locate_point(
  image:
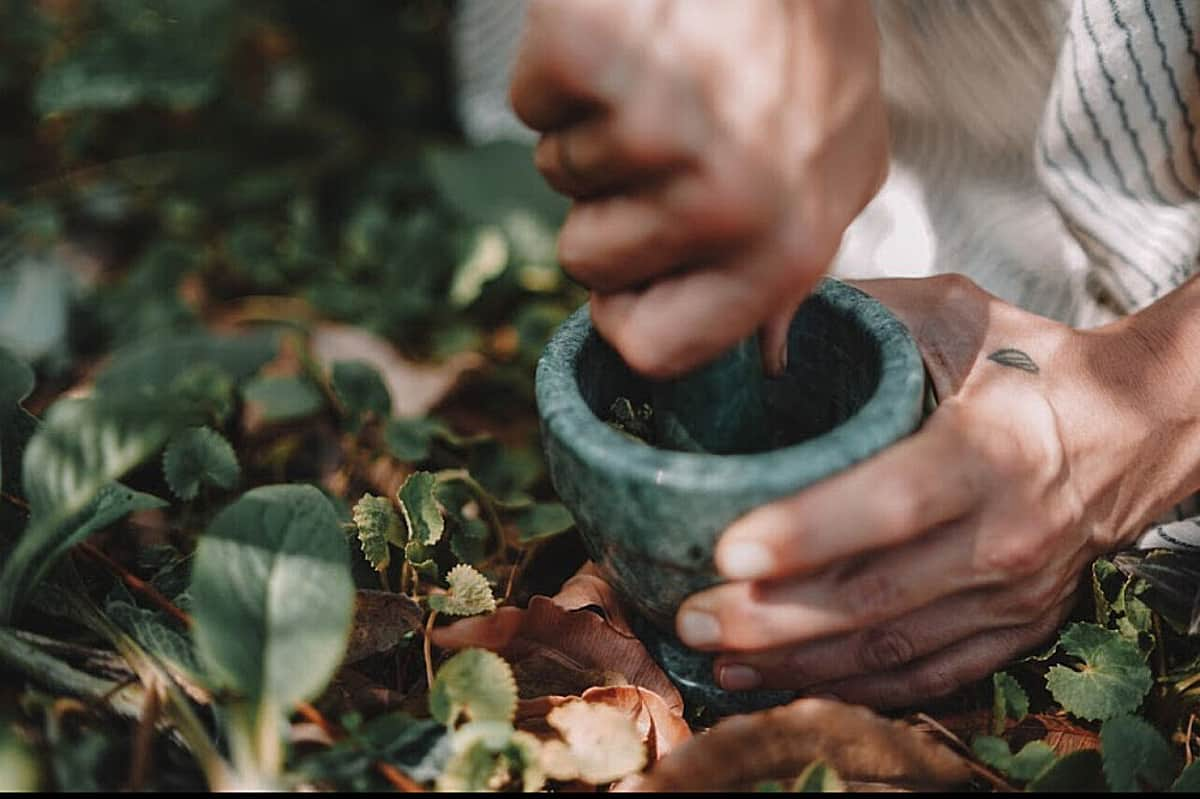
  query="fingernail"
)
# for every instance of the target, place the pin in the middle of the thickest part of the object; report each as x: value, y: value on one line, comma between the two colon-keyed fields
x: 698, y: 629
x: 745, y: 561
x: 739, y: 678
x: 781, y: 360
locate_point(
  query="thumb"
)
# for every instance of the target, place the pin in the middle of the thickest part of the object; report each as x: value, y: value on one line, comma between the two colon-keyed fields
x: 773, y: 342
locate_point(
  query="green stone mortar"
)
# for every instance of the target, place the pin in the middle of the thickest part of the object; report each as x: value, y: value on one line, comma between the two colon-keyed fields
x: 650, y: 516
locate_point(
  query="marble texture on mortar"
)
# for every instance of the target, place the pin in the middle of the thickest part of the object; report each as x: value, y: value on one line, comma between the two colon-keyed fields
x: 650, y: 516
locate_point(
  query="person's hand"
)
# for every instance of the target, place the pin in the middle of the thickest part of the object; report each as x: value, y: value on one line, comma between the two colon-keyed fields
x: 716, y: 153
x: 937, y: 561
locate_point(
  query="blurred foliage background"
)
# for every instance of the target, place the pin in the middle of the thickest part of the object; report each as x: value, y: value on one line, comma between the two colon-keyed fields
x: 161, y: 160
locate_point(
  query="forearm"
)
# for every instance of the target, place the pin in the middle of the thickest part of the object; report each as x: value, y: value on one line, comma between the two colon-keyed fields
x: 1143, y: 372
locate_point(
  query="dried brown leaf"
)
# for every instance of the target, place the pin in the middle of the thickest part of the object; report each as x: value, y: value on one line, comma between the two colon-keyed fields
x: 579, y: 640
x: 779, y: 743
x: 416, y: 388
x: 588, y: 590
x: 381, y: 620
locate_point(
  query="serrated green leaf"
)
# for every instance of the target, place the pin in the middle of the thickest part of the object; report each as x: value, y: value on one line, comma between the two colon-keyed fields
x: 196, y: 457
x: 158, y: 637
x: 491, y: 756
x: 1112, y: 679
x: 1135, y: 755
x: 818, y: 777
x: 271, y: 589
x: 1189, y: 779
x: 1078, y: 772
x: 543, y: 520
x: 469, y: 593
x: 475, y: 684
x: 361, y: 390
x: 420, y: 508
x: 278, y: 399
x: 1009, y: 700
x: 378, y: 525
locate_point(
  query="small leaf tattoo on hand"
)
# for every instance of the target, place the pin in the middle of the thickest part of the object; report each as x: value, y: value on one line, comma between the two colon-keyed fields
x: 1015, y: 359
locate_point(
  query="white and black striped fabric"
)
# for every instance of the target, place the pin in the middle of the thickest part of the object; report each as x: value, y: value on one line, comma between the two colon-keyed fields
x: 1048, y: 149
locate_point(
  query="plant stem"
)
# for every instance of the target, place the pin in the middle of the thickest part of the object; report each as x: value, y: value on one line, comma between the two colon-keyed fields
x: 135, y: 583
x: 143, y: 742
x: 429, y: 647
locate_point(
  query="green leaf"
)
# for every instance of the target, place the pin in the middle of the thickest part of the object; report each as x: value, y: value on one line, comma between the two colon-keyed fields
x: 492, y: 183
x: 1078, y: 772
x: 411, y: 439
x: 199, y: 456
x: 282, y: 399
x: 818, y: 777
x: 150, y: 629
x: 490, y: 756
x: 469, y: 593
x: 475, y: 684
x: 16, y: 424
x: 469, y: 540
x: 1009, y: 701
x: 272, y: 597
x: 1189, y: 780
x: 361, y: 391
x: 419, y: 747
x: 420, y: 508
x: 485, y: 260
x: 420, y: 557
x: 1112, y: 679
x: 1135, y: 755
x: 544, y: 520
x: 35, y: 299
x: 378, y: 524
x: 19, y: 767
x: 1034, y: 759
x: 153, y: 366
x: 81, y: 447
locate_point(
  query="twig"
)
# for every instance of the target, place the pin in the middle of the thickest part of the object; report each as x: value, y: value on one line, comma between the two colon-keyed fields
x: 143, y: 742
x: 429, y: 648
x: 17, y: 501
x: 314, y: 716
x: 522, y: 559
x: 136, y: 583
x: 998, y: 782
x: 1187, y: 739
x: 399, y: 780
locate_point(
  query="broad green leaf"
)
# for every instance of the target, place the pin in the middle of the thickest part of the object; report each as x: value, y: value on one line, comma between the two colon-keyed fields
x: 469, y: 593
x: 16, y: 424
x: 420, y: 557
x: 1035, y: 758
x: 492, y: 756
x: 1078, y: 772
x: 469, y: 540
x: 153, y: 366
x: 150, y: 629
x: 1189, y: 779
x: 420, y: 507
x: 81, y: 447
x: 272, y: 597
x: 475, y: 684
x: 1111, y: 680
x: 818, y: 777
x: 491, y: 183
x: 1009, y: 700
x: 992, y: 751
x: 411, y: 439
x: 282, y: 399
x: 196, y: 457
x: 544, y: 520
x: 1135, y: 754
x: 378, y: 525
x: 361, y: 391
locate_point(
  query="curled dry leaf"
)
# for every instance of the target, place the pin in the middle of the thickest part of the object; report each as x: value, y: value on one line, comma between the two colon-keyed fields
x: 599, y: 743
x: 381, y: 620
x: 571, y: 649
x: 415, y: 388
x: 779, y: 743
x: 588, y: 590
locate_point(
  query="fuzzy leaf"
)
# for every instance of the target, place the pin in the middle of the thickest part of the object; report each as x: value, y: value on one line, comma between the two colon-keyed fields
x: 151, y: 630
x: 1009, y: 701
x: 361, y: 391
x: 544, y: 520
x: 818, y: 777
x: 420, y: 507
x: 602, y: 743
x: 199, y: 456
x: 475, y: 684
x: 1135, y: 754
x: 1111, y: 681
x: 490, y: 756
x: 469, y: 593
x: 378, y: 524
x: 420, y: 557
x: 272, y: 595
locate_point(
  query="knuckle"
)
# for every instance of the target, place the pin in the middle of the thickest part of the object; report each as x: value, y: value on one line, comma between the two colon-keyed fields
x: 884, y: 650
x: 934, y: 683
x: 1018, y: 556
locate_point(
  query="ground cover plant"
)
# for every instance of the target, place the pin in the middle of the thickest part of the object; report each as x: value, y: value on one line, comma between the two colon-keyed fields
x: 273, y: 511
